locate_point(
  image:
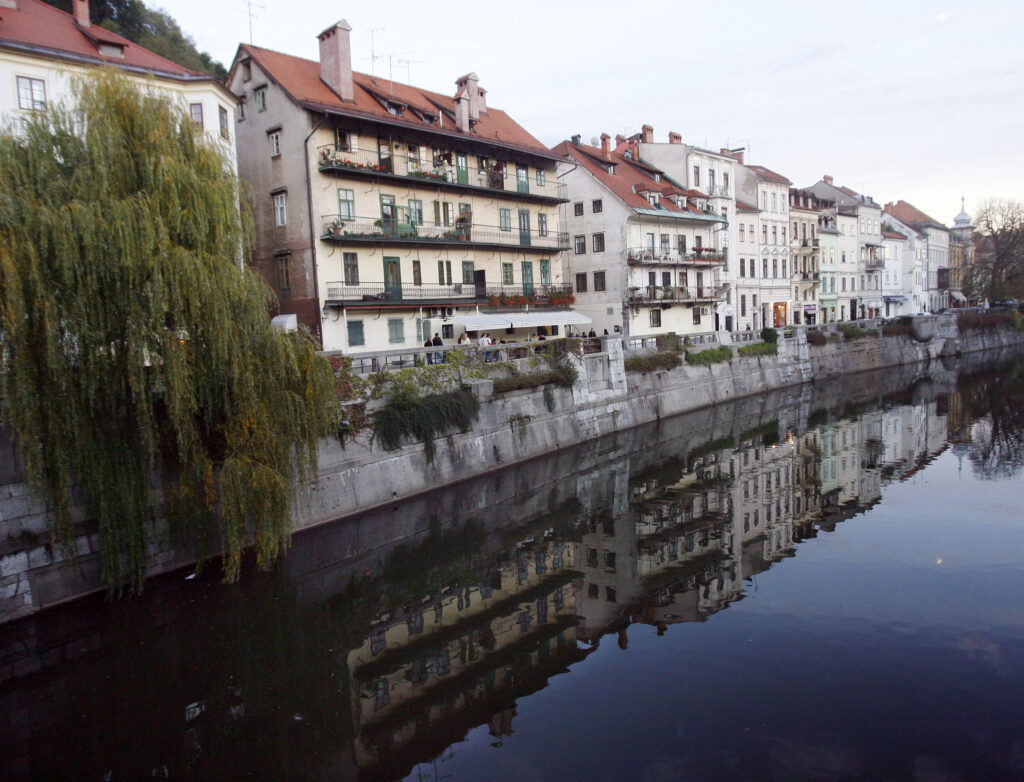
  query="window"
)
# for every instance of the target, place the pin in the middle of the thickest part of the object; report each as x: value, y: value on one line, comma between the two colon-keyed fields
x: 355, y: 334
x: 542, y: 224
x: 665, y: 246
x: 580, y: 244
x: 505, y: 219
x: 280, y: 210
x: 444, y: 272
x: 577, y: 209
x: 775, y: 206
x: 696, y: 180
x: 261, y: 98
x: 784, y: 235
x: 753, y: 268
x: 844, y: 284
x: 681, y: 244
x: 783, y: 267
x: 775, y: 267
x: 506, y: 273
x: 396, y: 331
x: 195, y: 111
x: 468, y: 272
x: 764, y: 234
x: 284, y: 272
x: 247, y: 71
x: 346, y: 204
x: 725, y: 183
x: 764, y: 268
x: 351, y: 264
x: 597, y: 243
x: 775, y: 234
x: 743, y: 305
x: 222, y: 114
x: 417, y: 273
x: 696, y: 316
x: 743, y: 267
x: 274, y: 139
x: 597, y: 205
x: 241, y: 109
x: 764, y: 202
x: 443, y: 211
x: 448, y: 330
x: 415, y: 211
x: 598, y: 281
x: 581, y: 283
x: 666, y: 279
x: 542, y: 178
x: 742, y: 237
x: 655, y: 317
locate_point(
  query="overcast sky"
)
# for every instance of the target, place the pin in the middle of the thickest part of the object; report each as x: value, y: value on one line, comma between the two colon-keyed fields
x: 900, y: 99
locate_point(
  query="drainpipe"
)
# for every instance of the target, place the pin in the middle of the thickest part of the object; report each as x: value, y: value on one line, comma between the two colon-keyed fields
x: 312, y: 229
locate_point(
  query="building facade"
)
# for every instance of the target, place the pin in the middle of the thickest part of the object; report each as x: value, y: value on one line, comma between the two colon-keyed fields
x: 805, y: 211
x: 937, y: 270
x: 386, y: 213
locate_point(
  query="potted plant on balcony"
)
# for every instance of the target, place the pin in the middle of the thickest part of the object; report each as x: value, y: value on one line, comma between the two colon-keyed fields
x: 336, y: 226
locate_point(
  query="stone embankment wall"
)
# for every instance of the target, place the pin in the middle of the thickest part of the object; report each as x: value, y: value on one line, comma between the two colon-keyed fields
x: 513, y: 427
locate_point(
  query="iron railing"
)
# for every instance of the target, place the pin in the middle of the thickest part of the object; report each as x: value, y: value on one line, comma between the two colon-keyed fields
x: 672, y: 293
x: 444, y: 170
x: 336, y: 228
x: 646, y: 255
x: 458, y: 293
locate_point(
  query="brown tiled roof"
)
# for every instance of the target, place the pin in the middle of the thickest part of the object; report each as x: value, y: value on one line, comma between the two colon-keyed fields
x: 37, y: 28
x: 629, y: 180
x: 300, y: 78
x: 743, y: 206
x: 767, y: 174
x: 907, y: 213
x: 893, y: 235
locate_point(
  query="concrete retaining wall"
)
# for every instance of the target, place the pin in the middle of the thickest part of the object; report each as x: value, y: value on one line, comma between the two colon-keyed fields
x: 513, y: 428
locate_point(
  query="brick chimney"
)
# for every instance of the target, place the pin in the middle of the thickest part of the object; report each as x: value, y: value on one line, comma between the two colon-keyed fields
x: 827, y: 179
x: 606, y: 142
x: 647, y: 134
x: 470, y: 86
x: 336, y: 59
x: 462, y: 112
x: 674, y: 138
x: 619, y: 140
x: 81, y: 11
x: 736, y: 155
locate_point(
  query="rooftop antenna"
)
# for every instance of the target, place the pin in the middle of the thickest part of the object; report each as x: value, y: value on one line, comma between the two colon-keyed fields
x: 249, y: 6
x: 373, y: 56
x: 408, y: 69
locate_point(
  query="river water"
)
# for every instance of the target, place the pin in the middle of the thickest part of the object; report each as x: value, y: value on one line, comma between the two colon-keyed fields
x: 820, y: 584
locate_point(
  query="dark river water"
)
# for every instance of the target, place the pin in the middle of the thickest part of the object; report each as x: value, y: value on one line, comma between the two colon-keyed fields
x: 823, y: 583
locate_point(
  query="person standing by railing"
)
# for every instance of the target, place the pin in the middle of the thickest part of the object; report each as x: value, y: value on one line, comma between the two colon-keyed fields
x: 438, y: 342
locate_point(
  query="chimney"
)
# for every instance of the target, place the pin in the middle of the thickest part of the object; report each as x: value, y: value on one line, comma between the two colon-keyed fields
x: 647, y: 134
x: 674, y: 138
x: 81, y: 11
x: 606, y: 145
x: 462, y: 113
x: 336, y: 59
x: 470, y: 86
x: 636, y: 148
x: 827, y: 179
x: 619, y: 140
x: 577, y: 139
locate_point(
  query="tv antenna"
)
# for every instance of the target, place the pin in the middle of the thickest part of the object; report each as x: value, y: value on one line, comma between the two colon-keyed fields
x: 408, y: 69
x: 373, y: 55
x: 249, y: 9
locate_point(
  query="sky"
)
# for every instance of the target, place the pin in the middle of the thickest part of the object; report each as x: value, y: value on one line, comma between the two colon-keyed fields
x: 908, y: 99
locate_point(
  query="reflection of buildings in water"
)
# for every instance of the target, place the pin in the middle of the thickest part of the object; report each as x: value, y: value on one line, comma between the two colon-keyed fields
x: 457, y: 652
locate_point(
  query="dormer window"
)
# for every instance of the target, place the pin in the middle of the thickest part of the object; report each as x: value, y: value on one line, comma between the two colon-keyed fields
x: 111, y: 50
x: 657, y: 177
x: 611, y: 170
x: 652, y: 198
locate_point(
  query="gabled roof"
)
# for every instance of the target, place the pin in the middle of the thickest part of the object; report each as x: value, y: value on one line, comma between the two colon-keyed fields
x: 768, y: 175
x: 631, y: 178
x: 907, y: 213
x: 893, y: 235
x: 300, y: 79
x: 40, y: 29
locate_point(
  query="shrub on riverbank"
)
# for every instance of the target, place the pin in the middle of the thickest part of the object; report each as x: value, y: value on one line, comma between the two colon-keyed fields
x: 852, y: 332
x: 973, y: 319
x: 563, y: 375
x: 708, y: 357
x: 652, y: 363
x: 760, y: 349
x: 408, y: 414
x: 816, y: 338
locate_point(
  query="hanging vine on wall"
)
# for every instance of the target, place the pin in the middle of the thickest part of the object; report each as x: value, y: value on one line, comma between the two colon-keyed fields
x: 408, y: 415
x: 135, y: 345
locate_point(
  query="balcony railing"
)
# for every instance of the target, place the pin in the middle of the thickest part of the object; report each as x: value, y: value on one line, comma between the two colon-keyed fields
x: 718, y: 191
x: 808, y: 277
x: 504, y: 177
x: 335, y: 228
x: 543, y: 295
x: 874, y: 263
x: 645, y: 255
x: 669, y: 294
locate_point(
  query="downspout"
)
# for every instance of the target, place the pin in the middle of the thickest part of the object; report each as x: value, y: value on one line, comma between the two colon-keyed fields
x: 312, y: 230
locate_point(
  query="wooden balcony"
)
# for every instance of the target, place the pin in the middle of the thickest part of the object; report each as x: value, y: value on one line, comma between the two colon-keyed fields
x: 503, y: 178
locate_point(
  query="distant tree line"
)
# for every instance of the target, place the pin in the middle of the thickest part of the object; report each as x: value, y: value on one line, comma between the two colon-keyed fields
x: 151, y: 28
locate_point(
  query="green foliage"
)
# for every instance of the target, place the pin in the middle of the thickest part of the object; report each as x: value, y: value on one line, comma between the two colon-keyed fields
x: 134, y: 344
x: 816, y: 338
x: 769, y: 334
x: 852, y: 332
x: 708, y: 357
x: 670, y: 342
x: 563, y: 375
x: 760, y: 349
x: 151, y: 28
x: 653, y: 362
x: 407, y: 414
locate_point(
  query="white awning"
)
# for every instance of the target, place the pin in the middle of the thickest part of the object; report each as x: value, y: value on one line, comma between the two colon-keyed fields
x: 478, y: 322
x: 958, y: 295
x: 529, y: 320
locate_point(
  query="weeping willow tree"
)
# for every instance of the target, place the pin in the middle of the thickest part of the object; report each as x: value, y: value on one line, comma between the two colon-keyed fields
x: 141, y: 376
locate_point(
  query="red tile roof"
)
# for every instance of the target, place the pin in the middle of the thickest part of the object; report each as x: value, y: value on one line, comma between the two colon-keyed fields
x: 300, y: 78
x: 907, y: 213
x: 768, y: 175
x: 41, y: 29
x: 630, y: 178
x: 743, y: 206
x: 893, y: 235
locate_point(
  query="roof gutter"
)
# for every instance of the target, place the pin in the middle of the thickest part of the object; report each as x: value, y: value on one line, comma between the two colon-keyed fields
x: 312, y: 218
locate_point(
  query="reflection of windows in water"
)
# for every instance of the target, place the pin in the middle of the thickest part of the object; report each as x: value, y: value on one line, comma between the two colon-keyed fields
x: 377, y: 641
x: 609, y: 560
x: 522, y: 571
x: 673, y: 550
x: 559, y: 599
x: 524, y: 621
x: 540, y: 563
x: 381, y: 693
x: 544, y: 649
x: 609, y: 527
x: 746, y: 522
x: 592, y: 590
x: 556, y: 560
x: 415, y: 623
x: 591, y: 557
x: 756, y: 522
x: 438, y: 610
x: 485, y: 592
x: 542, y: 609
x: 609, y: 595
x: 418, y: 671
x: 688, y: 542
x: 443, y: 664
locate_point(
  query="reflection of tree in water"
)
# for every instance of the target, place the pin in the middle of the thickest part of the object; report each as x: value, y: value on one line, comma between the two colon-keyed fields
x: 997, y: 437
